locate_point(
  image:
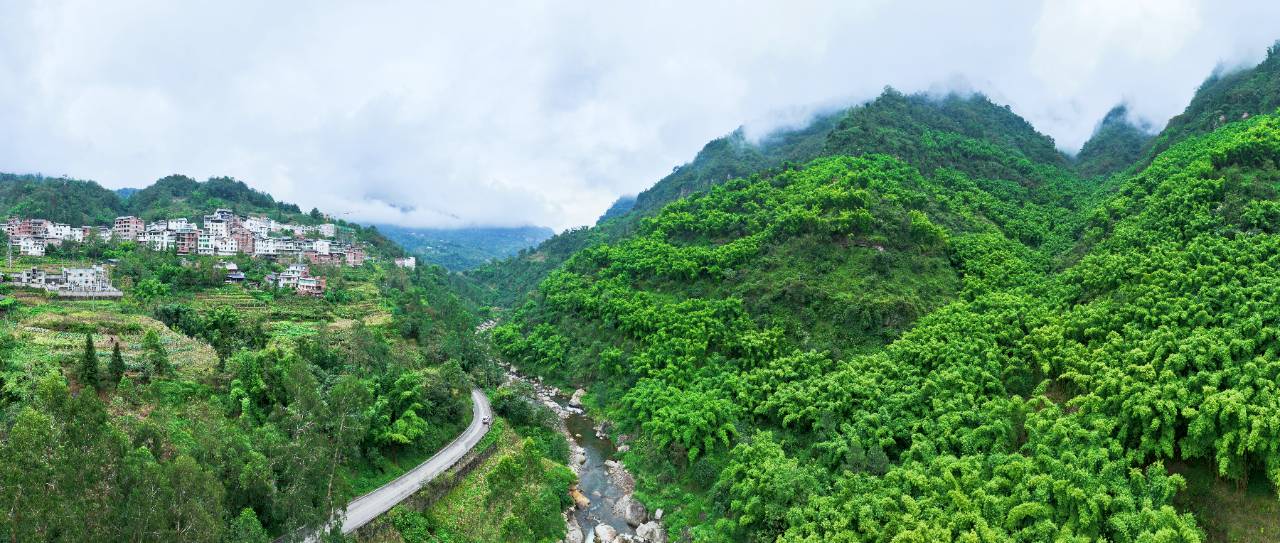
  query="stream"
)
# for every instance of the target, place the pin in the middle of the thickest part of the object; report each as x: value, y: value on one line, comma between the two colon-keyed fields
x: 602, y: 479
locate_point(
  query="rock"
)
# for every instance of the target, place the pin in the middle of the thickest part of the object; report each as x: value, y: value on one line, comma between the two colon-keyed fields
x: 605, y: 533
x: 624, y: 448
x: 579, y: 498
x: 657, y: 515
x: 652, y: 532
x: 631, y: 510
x: 576, y: 399
x: 574, y: 533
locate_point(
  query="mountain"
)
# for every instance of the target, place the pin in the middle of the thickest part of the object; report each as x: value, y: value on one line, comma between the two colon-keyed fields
x: 619, y: 207
x: 58, y: 199
x: 1223, y: 98
x: 78, y: 203
x: 936, y: 328
x: 964, y: 128
x: 465, y: 248
x: 1115, y: 144
x: 182, y: 196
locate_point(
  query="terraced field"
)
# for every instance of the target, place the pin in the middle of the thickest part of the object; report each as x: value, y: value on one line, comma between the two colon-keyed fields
x: 53, y: 332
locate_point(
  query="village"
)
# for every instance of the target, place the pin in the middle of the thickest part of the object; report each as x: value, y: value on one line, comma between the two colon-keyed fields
x: 222, y: 233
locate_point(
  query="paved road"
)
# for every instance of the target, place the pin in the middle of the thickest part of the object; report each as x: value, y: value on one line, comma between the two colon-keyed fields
x: 369, y: 506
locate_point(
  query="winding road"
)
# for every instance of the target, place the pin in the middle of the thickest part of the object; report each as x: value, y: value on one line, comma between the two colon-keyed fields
x: 364, y: 509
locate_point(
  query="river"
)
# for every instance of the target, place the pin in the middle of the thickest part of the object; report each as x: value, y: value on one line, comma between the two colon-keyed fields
x: 601, y: 478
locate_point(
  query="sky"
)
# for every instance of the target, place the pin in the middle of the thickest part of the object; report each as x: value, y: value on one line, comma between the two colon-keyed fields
x: 513, y: 113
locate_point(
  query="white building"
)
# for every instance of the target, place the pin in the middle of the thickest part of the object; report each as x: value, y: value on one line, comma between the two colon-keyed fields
x: 261, y: 226
x: 327, y: 230
x: 216, y: 227
x: 321, y: 246
x: 264, y: 246
x: 226, y: 246
x: 205, y: 244
x: 29, y: 246
x: 407, y: 262
x: 161, y: 240
x: 58, y: 230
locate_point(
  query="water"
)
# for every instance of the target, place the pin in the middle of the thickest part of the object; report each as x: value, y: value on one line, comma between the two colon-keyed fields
x: 594, y: 480
x: 593, y: 476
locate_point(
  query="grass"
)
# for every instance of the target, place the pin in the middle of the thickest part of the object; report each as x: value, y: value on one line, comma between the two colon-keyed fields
x: 371, y: 474
x: 1227, y: 512
x: 50, y: 333
x: 472, y: 511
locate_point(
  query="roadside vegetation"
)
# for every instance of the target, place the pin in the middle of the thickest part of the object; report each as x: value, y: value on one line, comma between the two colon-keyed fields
x: 198, y: 411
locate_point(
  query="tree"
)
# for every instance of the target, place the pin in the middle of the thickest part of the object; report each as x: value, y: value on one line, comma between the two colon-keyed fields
x: 157, y: 357
x: 115, y: 370
x: 87, y: 373
x: 246, y: 529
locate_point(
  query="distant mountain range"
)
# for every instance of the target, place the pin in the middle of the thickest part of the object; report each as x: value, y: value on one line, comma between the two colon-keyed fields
x: 465, y: 248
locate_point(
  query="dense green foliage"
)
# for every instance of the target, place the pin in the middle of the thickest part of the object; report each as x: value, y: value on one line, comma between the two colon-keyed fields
x: 955, y: 132
x: 619, y: 207
x: 1224, y: 98
x: 1115, y: 145
x: 947, y: 336
x: 182, y: 196
x: 465, y: 248
x: 59, y: 199
x: 295, y: 417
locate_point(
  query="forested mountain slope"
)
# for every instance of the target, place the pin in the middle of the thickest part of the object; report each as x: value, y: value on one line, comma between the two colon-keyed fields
x: 86, y: 203
x: 704, y: 328
x: 59, y: 199
x: 954, y: 131
x: 1115, y: 145
x: 896, y: 345
x: 1224, y: 98
x: 460, y: 249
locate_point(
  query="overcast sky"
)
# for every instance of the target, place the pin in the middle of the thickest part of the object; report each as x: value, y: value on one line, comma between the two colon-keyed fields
x: 543, y: 113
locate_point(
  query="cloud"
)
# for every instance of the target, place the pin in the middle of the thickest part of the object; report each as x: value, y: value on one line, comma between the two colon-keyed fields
x: 491, y: 113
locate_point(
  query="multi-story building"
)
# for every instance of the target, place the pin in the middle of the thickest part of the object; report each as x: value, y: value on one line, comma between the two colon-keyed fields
x: 327, y: 230
x: 159, y: 240
x: 217, y: 228
x: 264, y: 246
x: 186, y: 241
x: 225, y: 246
x: 58, y: 230
x: 310, y: 286
x: 72, y: 282
x: 128, y: 228
x: 205, y: 243
x: 29, y: 245
x: 245, y: 240
x: 407, y: 262
x: 355, y: 256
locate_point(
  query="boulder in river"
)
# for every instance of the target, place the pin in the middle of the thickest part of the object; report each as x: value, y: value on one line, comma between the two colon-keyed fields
x: 652, y: 532
x: 576, y: 399
x: 574, y: 533
x: 605, y: 533
x: 630, y: 510
x: 579, y: 498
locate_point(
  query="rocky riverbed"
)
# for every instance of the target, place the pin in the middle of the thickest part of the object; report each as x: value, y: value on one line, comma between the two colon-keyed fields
x: 606, y: 510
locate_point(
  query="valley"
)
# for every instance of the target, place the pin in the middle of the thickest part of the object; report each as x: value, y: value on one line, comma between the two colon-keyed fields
x: 913, y: 318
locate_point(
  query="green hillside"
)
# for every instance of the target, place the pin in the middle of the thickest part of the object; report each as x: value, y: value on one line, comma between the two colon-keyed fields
x: 70, y: 201
x: 956, y: 132
x: 182, y: 196
x: 1224, y: 98
x: 938, y: 331
x: 1115, y: 145
x: 465, y: 248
